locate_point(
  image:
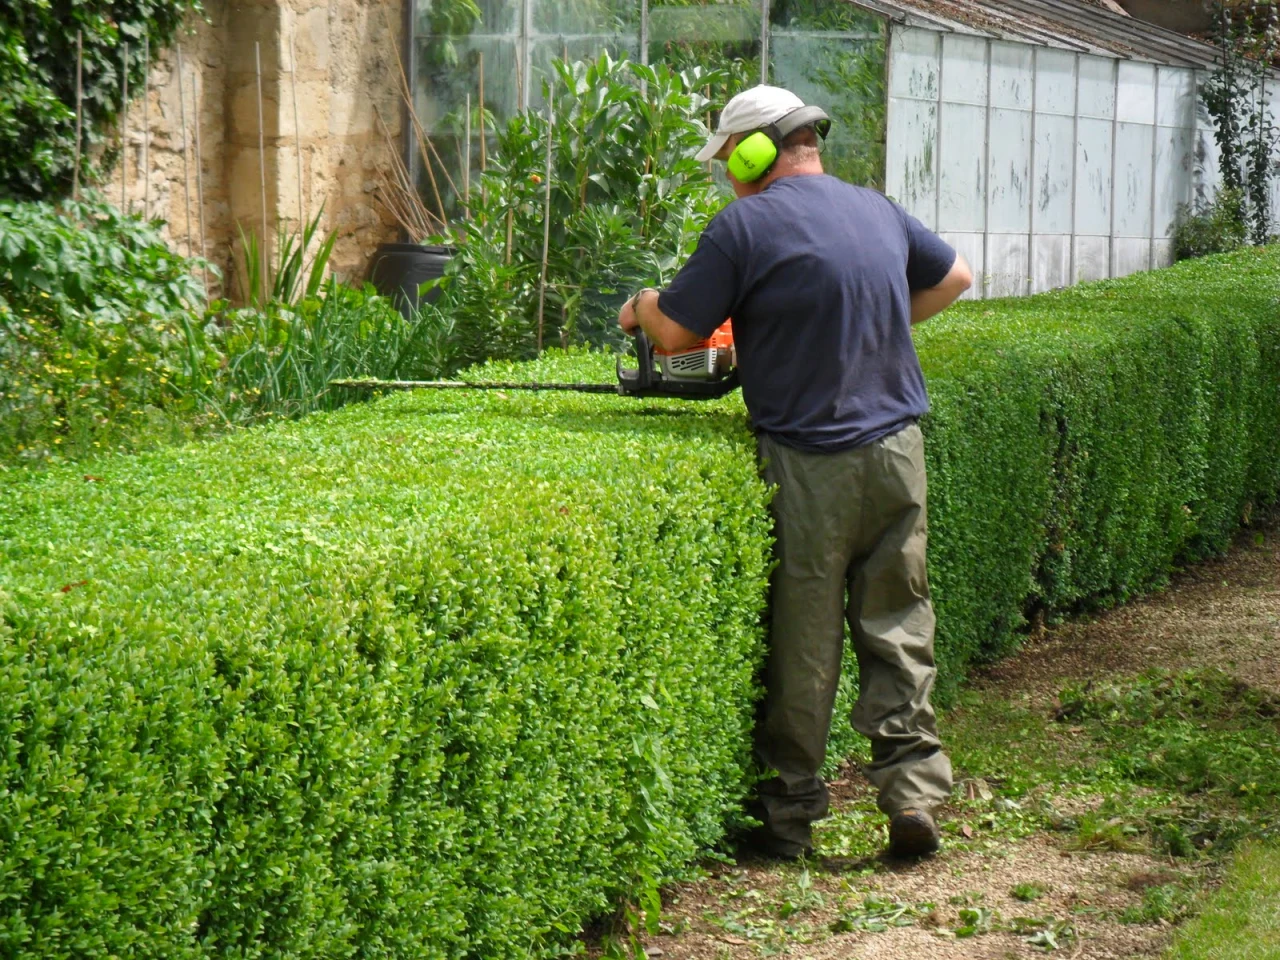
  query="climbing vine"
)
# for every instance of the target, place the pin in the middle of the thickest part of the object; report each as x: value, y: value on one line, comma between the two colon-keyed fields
x: 1236, y: 97
x: 38, y: 83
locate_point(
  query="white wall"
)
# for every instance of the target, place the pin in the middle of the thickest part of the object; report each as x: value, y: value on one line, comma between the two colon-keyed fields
x: 1043, y: 167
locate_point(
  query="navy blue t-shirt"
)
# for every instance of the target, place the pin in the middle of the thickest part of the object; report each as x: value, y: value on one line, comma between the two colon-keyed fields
x: 817, y: 276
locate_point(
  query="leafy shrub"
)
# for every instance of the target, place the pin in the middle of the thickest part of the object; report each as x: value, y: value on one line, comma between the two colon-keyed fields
x: 1082, y: 442
x: 38, y: 81
x: 1216, y: 226
x: 106, y: 341
x: 627, y: 204
x: 93, y: 308
x: 439, y: 676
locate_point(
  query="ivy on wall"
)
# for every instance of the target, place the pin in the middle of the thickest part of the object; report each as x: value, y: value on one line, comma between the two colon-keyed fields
x: 38, y: 84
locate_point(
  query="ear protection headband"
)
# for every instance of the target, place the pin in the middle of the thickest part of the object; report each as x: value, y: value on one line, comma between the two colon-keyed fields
x: 752, y: 158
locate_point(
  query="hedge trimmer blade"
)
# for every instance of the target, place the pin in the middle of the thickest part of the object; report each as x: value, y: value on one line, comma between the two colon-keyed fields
x: 371, y: 384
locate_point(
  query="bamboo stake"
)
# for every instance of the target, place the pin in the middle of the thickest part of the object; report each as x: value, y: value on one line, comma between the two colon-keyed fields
x: 124, y: 130
x: 146, y: 127
x: 443, y: 169
x: 546, y: 225
x: 186, y: 176
x: 297, y: 131
x: 511, y: 220
x: 466, y: 164
x: 195, y: 95
x: 707, y: 92
x: 75, y: 174
x: 424, y: 142
x: 519, y: 84
x: 484, y: 130
x: 484, y: 134
x: 262, y: 167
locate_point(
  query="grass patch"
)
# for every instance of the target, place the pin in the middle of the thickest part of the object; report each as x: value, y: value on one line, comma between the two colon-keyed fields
x: 1242, y: 919
x: 1185, y: 762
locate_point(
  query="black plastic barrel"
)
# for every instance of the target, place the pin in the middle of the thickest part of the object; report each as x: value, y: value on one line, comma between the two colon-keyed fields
x: 398, y: 270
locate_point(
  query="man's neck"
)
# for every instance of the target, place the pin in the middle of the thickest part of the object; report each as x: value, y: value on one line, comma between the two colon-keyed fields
x: 798, y: 170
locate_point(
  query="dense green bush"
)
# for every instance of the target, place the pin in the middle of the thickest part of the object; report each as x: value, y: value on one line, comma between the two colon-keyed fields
x: 92, y: 313
x: 1215, y: 226
x: 627, y: 204
x: 433, y: 678
x: 107, y: 343
x: 38, y: 82
x: 441, y: 675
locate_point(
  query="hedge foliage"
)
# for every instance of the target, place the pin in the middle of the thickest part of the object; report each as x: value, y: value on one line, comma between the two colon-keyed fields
x: 442, y: 675
x: 439, y: 677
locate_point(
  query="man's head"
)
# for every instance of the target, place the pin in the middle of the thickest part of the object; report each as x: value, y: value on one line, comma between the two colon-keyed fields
x: 766, y: 111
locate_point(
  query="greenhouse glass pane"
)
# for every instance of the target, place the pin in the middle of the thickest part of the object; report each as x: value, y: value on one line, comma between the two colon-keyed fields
x: 447, y: 75
x: 823, y: 15
x: 464, y: 17
x: 579, y: 30
x: 833, y: 56
x: 590, y: 17
x: 441, y: 100
x: 708, y: 34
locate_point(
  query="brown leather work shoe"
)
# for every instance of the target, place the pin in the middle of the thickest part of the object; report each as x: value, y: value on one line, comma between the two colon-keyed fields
x: 913, y: 833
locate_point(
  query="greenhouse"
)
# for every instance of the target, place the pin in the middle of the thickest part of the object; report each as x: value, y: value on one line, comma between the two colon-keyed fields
x: 1051, y: 143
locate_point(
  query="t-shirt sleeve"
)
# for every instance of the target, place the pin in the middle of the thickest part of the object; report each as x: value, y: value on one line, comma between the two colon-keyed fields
x: 929, y: 257
x: 701, y: 296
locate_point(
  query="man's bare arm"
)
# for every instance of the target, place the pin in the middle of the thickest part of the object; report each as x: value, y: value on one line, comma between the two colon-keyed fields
x: 661, y: 330
x: 927, y: 303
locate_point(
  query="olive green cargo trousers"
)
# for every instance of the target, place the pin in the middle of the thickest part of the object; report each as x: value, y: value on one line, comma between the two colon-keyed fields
x: 851, y: 532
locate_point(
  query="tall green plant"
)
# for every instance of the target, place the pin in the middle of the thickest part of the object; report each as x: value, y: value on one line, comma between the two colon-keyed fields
x: 627, y: 202
x: 296, y: 274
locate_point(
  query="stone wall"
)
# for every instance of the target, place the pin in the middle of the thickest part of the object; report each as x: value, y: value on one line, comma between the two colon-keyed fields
x: 339, y: 57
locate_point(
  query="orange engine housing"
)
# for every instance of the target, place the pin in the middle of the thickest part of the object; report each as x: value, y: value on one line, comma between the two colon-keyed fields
x: 709, y: 359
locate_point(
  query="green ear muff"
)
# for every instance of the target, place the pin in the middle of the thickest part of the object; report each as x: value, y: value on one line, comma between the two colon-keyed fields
x: 752, y: 158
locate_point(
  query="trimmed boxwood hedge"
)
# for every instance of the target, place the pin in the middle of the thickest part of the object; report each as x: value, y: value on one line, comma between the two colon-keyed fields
x: 444, y: 675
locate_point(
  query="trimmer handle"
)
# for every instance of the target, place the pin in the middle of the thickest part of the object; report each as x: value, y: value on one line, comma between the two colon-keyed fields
x: 640, y: 380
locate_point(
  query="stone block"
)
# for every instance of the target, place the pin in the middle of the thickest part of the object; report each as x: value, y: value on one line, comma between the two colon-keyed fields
x: 350, y: 113
x: 313, y: 109
x: 242, y: 112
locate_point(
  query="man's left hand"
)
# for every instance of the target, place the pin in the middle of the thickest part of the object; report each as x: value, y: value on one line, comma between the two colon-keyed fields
x: 627, y: 318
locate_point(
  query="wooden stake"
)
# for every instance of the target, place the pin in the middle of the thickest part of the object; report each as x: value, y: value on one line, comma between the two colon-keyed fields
x: 707, y: 92
x: 546, y: 224
x: 424, y: 143
x: 297, y: 131
x: 146, y: 127
x: 511, y: 220
x: 262, y: 167
x: 466, y: 163
x: 484, y: 130
x: 195, y: 95
x: 75, y: 174
x: 124, y: 129
x: 519, y: 85
x: 484, y: 134
x: 186, y: 175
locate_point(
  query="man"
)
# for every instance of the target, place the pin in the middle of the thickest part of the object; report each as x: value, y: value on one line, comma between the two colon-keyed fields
x: 823, y: 281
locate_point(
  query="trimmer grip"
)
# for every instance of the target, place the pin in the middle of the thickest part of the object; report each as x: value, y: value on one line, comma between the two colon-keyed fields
x: 640, y: 379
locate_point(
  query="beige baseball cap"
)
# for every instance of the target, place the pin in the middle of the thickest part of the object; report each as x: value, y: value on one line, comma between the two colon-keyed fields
x: 749, y: 110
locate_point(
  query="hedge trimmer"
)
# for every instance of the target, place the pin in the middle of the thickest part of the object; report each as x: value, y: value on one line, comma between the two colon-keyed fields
x: 703, y: 371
